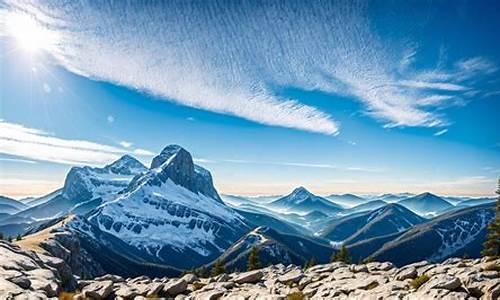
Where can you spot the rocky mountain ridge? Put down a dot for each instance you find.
(29, 275)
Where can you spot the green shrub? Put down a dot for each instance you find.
(417, 282)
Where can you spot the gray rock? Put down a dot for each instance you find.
(98, 289)
(154, 289)
(190, 278)
(442, 281)
(113, 278)
(406, 273)
(249, 277)
(8, 289)
(292, 276)
(175, 287)
(21, 281)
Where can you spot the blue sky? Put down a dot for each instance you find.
(365, 97)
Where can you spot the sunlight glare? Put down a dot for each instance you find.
(29, 33)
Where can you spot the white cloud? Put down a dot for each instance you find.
(203, 161)
(143, 152)
(441, 132)
(21, 141)
(305, 165)
(110, 119)
(17, 160)
(222, 62)
(125, 144)
(433, 85)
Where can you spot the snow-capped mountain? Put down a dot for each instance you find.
(383, 221)
(172, 212)
(86, 186)
(426, 204)
(274, 248)
(303, 201)
(346, 200)
(456, 233)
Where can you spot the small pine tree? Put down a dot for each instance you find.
(311, 262)
(1, 236)
(202, 272)
(9, 239)
(218, 268)
(253, 260)
(19, 237)
(342, 255)
(492, 244)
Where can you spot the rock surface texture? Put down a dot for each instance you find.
(27, 275)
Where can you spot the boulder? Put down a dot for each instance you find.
(190, 278)
(21, 281)
(406, 273)
(175, 287)
(292, 276)
(249, 277)
(98, 289)
(442, 281)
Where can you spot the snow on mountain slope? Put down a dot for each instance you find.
(84, 184)
(273, 248)
(452, 234)
(426, 204)
(303, 201)
(172, 211)
(383, 221)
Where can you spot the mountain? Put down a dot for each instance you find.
(456, 233)
(368, 206)
(426, 204)
(255, 219)
(303, 201)
(476, 201)
(10, 206)
(86, 184)
(274, 248)
(391, 198)
(40, 200)
(172, 212)
(386, 220)
(346, 200)
(90, 252)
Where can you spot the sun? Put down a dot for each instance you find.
(29, 33)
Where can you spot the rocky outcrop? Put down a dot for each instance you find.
(453, 279)
(30, 275)
(27, 275)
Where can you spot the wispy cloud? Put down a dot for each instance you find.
(125, 144)
(303, 165)
(17, 160)
(143, 152)
(31, 143)
(222, 62)
(441, 132)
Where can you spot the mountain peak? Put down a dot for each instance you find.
(166, 154)
(300, 191)
(126, 165)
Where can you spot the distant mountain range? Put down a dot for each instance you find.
(426, 204)
(301, 200)
(128, 219)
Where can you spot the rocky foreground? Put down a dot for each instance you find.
(32, 275)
